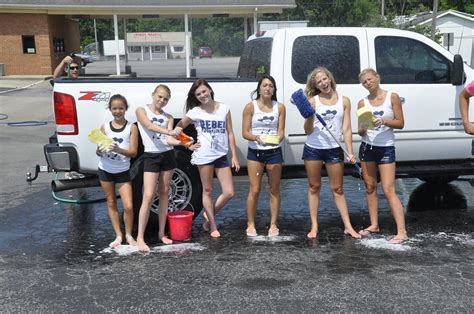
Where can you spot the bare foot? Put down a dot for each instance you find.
(116, 243)
(352, 233)
(251, 232)
(130, 240)
(142, 247)
(312, 234)
(166, 240)
(369, 230)
(398, 240)
(215, 234)
(273, 231)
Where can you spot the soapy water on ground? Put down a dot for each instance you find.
(419, 241)
(124, 250)
(262, 238)
(416, 243)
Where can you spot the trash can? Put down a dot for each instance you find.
(128, 69)
(180, 224)
(193, 72)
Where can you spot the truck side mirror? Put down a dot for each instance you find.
(457, 71)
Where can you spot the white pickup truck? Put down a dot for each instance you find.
(428, 78)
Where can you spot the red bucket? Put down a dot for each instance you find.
(180, 224)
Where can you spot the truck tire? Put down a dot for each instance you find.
(185, 188)
(438, 180)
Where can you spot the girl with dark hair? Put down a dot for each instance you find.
(114, 166)
(263, 125)
(213, 123)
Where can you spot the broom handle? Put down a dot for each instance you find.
(359, 170)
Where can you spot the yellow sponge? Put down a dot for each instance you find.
(97, 137)
(271, 139)
(366, 117)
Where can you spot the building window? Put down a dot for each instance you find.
(28, 44)
(136, 49)
(178, 48)
(156, 49)
(58, 44)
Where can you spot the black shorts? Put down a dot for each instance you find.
(120, 177)
(157, 162)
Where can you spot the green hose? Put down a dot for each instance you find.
(63, 200)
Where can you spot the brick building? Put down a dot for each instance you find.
(35, 35)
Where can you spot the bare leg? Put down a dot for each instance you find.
(336, 174)
(387, 176)
(109, 190)
(149, 190)
(369, 172)
(206, 172)
(255, 173)
(125, 190)
(163, 189)
(313, 171)
(224, 175)
(274, 178)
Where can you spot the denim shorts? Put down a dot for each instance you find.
(157, 162)
(120, 177)
(266, 156)
(330, 155)
(220, 162)
(377, 154)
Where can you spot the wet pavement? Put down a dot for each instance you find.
(54, 256)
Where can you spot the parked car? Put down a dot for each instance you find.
(204, 52)
(85, 58)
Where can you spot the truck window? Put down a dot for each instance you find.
(407, 61)
(340, 54)
(255, 58)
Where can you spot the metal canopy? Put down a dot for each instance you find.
(128, 9)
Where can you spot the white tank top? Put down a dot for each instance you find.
(113, 162)
(333, 115)
(154, 142)
(212, 134)
(382, 135)
(264, 123)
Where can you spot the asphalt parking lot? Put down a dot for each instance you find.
(54, 256)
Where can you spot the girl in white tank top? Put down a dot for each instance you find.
(377, 152)
(115, 163)
(262, 117)
(320, 148)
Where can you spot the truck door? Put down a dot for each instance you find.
(418, 69)
(343, 51)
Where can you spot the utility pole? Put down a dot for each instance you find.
(96, 42)
(433, 19)
(383, 8)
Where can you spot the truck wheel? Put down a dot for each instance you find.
(185, 188)
(438, 180)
